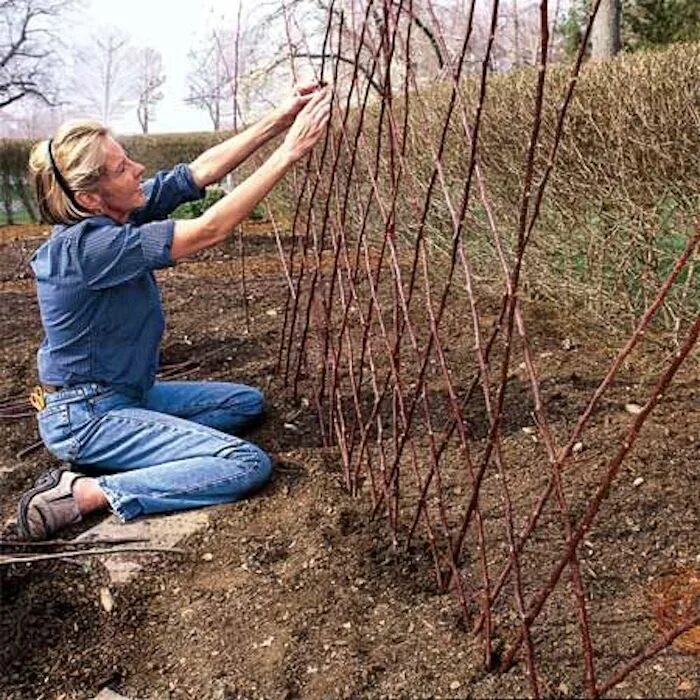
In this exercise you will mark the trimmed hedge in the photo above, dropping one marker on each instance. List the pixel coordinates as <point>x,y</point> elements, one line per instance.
<point>621,200</point>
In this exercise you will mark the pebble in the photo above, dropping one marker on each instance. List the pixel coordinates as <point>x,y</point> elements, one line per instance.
<point>638,481</point>
<point>455,685</point>
<point>578,447</point>
<point>633,408</point>
<point>207,556</point>
<point>106,599</point>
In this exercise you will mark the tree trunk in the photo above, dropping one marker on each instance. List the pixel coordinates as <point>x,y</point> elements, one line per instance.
<point>24,195</point>
<point>605,36</point>
<point>6,195</point>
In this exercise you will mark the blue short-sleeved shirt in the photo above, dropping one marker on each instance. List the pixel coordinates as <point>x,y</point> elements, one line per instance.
<point>100,305</point>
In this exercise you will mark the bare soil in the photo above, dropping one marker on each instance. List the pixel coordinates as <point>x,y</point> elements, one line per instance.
<point>297,592</point>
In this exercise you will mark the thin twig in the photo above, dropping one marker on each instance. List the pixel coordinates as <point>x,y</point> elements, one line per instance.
<point>7,561</point>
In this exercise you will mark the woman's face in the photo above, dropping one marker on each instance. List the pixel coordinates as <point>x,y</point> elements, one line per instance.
<point>119,187</point>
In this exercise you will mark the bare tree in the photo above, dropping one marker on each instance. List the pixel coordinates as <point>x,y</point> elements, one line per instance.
<point>209,81</point>
<point>105,76</point>
<point>149,79</point>
<point>26,49</point>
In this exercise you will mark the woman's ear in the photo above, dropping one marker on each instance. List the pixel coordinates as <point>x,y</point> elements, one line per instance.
<point>90,201</point>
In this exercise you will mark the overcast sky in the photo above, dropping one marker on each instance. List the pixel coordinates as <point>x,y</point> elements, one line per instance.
<point>171,27</point>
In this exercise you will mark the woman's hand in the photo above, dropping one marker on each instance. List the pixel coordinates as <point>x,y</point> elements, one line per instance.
<point>292,105</point>
<point>309,124</point>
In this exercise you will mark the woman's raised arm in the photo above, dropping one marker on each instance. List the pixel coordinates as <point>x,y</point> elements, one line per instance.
<point>219,160</point>
<point>220,220</point>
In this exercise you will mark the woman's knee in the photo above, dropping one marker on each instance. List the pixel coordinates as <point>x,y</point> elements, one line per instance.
<point>257,463</point>
<point>254,402</point>
<point>265,466</point>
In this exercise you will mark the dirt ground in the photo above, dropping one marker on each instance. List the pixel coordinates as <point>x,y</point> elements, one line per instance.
<point>297,592</point>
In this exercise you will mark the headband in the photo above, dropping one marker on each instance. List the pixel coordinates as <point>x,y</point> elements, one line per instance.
<point>60,179</point>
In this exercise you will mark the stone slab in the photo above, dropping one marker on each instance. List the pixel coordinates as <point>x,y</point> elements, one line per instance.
<point>159,530</point>
<point>109,694</point>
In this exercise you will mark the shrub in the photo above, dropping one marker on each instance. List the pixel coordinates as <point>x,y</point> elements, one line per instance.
<point>622,199</point>
<point>191,210</point>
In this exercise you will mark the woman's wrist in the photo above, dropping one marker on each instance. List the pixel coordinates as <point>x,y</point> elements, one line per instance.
<point>280,120</point>
<point>285,155</point>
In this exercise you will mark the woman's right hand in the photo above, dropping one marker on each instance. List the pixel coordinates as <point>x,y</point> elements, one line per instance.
<point>308,125</point>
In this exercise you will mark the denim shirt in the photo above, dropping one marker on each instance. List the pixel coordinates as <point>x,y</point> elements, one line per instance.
<point>98,298</point>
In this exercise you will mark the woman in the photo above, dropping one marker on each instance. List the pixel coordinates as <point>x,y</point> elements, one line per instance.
<point>156,446</point>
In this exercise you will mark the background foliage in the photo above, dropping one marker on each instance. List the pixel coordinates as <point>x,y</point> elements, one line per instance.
<point>622,199</point>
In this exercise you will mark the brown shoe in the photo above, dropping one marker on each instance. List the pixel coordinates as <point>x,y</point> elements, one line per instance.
<point>48,506</point>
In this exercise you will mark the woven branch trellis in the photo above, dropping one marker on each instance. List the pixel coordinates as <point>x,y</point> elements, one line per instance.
<point>395,339</point>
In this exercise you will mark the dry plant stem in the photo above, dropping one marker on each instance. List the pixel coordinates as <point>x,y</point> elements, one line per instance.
<point>280,250</point>
<point>29,449</point>
<point>74,554</point>
<point>649,652</point>
<point>456,408</point>
<point>70,543</point>
<point>604,488</point>
<point>493,435</point>
<point>11,405</point>
<point>329,298</point>
<point>16,415</point>
<point>523,236</point>
<point>577,584</point>
<point>293,297</point>
<point>387,382</point>
<point>636,337</point>
<point>244,288</point>
<point>496,417</point>
<point>578,591</point>
<point>434,468</point>
<point>13,399</point>
<point>373,279</point>
<point>397,286</point>
<point>434,338</point>
<point>419,237</point>
<point>399,308</point>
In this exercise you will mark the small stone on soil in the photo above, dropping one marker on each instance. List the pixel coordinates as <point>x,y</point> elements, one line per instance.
<point>106,599</point>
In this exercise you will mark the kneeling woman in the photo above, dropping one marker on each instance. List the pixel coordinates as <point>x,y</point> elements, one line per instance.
<point>153,446</point>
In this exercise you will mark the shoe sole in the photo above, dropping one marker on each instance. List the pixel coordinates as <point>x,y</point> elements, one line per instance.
<point>43,483</point>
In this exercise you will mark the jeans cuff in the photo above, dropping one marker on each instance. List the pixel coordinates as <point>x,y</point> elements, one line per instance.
<point>118,502</point>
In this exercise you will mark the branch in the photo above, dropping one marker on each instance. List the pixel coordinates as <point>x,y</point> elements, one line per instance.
<point>342,59</point>
<point>4,102</point>
<point>7,561</point>
<point>429,34</point>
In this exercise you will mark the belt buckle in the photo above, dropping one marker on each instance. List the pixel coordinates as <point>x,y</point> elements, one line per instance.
<point>37,398</point>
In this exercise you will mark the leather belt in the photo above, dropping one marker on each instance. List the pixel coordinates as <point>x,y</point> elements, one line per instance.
<point>49,389</point>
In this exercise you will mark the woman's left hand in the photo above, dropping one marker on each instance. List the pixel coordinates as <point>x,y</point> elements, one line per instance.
<point>293,104</point>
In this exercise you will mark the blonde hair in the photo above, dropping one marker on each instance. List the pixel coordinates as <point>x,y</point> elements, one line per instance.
<point>71,162</point>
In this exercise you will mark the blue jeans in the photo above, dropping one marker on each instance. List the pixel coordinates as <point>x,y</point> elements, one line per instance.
<point>162,453</point>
